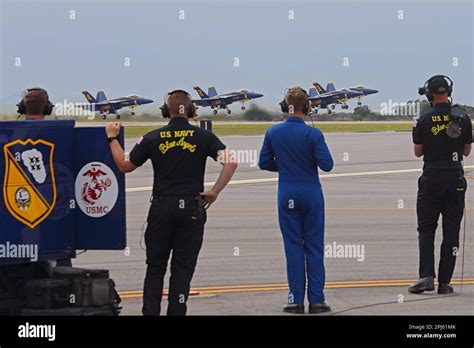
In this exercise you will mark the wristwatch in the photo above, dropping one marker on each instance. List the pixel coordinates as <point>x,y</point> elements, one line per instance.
<point>110,139</point>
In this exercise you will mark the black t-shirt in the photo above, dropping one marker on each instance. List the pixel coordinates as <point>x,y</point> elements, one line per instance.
<point>430,131</point>
<point>178,153</point>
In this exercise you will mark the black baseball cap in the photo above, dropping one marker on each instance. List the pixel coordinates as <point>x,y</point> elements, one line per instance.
<point>438,85</point>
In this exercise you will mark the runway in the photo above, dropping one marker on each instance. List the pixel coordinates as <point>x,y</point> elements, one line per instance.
<point>370,209</point>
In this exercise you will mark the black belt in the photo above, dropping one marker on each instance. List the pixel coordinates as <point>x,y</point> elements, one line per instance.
<point>437,171</point>
<point>443,165</point>
<point>153,198</point>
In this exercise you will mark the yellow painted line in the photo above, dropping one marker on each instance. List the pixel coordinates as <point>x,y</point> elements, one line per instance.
<point>276,287</point>
<point>333,283</point>
<point>323,176</point>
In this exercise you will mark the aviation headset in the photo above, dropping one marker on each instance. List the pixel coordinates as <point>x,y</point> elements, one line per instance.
<point>285,108</point>
<point>425,90</point>
<point>165,112</point>
<point>48,108</point>
<point>454,129</point>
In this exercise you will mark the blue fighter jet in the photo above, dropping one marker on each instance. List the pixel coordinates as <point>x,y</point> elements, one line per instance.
<point>110,106</point>
<point>359,88</point>
<point>221,101</point>
<point>322,99</point>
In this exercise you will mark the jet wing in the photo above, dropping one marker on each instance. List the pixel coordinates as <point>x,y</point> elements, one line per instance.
<point>210,101</point>
<point>202,102</point>
<point>104,103</point>
<point>116,101</point>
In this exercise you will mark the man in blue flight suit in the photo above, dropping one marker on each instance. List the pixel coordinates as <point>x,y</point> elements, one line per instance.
<point>295,151</point>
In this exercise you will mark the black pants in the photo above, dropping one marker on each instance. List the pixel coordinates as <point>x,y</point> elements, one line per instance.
<point>175,224</point>
<point>440,193</point>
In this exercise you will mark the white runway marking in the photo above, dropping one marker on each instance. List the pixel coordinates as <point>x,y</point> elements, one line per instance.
<point>323,176</point>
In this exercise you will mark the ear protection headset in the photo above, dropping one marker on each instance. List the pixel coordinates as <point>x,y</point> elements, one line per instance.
<point>425,90</point>
<point>285,108</point>
<point>165,112</point>
<point>48,108</point>
<point>454,129</point>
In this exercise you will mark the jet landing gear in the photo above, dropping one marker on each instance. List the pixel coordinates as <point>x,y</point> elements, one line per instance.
<point>214,111</point>
<point>104,116</point>
<point>242,107</point>
<point>329,112</point>
<point>345,106</point>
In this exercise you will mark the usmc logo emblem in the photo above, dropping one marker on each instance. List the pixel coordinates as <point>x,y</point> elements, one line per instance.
<point>96,189</point>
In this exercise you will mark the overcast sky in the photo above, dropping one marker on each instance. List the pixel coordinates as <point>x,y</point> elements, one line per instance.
<point>274,51</point>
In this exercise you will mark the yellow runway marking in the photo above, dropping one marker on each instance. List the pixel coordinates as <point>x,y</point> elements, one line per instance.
<point>224,289</point>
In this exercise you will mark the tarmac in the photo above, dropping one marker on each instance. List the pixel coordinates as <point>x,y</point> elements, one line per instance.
<point>371,238</point>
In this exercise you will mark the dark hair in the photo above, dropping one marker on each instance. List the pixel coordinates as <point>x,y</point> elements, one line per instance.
<point>35,102</point>
<point>178,103</point>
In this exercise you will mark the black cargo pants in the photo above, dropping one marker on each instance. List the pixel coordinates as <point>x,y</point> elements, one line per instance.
<point>440,192</point>
<point>175,225</point>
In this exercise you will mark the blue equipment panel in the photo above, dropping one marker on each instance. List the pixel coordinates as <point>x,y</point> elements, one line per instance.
<point>100,192</point>
<point>60,191</point>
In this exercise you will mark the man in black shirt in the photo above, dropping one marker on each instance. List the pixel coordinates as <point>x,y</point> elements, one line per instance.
<point>177,215</point>
<point>35,105</point>
<point>442,135</point>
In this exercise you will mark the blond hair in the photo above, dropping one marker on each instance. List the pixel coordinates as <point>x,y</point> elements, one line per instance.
<point>296,98</point>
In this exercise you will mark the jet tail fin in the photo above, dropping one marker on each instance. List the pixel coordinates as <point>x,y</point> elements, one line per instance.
<point>312,92</point>
<point>89,97</point>
<point>330,87</point>
<point>101,96</point>
<point>201,93</point>
<point>319,88</point>
<point>212,92</point>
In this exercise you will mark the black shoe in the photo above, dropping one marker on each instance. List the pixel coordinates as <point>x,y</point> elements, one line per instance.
<point>445,289</point>
<point>316,308</point>
<point>294,308</point>
<point>424,284</point>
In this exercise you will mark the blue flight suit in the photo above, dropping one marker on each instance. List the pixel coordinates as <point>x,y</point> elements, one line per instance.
<point>295,151</point>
